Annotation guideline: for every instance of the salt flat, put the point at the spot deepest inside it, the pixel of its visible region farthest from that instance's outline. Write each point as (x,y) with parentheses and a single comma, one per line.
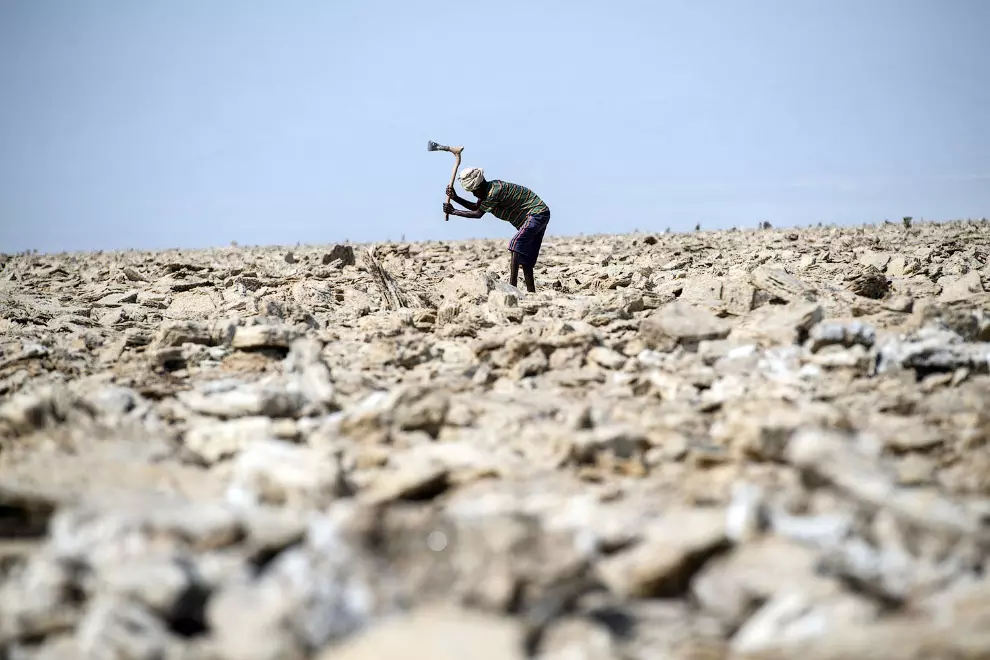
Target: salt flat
(738,444)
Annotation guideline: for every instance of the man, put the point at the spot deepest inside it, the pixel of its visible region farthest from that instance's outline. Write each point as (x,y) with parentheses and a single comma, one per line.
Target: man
(517,205)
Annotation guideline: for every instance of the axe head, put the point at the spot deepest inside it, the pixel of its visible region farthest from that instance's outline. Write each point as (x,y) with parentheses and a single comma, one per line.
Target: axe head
(433,146)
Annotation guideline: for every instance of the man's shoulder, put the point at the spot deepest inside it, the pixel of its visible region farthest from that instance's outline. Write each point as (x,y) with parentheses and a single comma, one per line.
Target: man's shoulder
(495,188)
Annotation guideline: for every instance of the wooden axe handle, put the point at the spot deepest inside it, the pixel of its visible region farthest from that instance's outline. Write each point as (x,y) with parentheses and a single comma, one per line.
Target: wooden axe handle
(453,175)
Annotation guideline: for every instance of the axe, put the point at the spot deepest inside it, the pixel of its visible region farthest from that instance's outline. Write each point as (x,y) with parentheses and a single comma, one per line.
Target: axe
(433,146)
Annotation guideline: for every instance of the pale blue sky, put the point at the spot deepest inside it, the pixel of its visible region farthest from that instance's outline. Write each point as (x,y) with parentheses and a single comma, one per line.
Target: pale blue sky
(186,123)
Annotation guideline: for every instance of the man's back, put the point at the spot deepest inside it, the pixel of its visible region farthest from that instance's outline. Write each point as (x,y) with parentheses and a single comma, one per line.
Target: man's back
(512,202)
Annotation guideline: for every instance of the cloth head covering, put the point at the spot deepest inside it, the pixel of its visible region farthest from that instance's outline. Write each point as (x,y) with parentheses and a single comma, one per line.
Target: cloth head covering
(471,178)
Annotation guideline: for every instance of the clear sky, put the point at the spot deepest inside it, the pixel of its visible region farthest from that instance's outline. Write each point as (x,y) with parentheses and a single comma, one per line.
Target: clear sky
(187,123)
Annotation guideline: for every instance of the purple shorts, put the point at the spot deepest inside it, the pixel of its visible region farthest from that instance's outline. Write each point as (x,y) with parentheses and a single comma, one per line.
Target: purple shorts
(528,240)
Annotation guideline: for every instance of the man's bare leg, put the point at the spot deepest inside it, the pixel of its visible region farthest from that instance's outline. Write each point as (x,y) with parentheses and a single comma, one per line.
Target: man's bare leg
(528,275)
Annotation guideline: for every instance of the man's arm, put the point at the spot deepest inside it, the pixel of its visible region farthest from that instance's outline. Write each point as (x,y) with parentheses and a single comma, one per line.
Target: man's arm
(454,197)
(449,209)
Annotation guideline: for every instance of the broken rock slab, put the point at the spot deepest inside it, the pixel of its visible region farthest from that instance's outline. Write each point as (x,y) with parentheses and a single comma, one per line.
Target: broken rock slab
(777,325)
(279,473)
(435,633)
(835,458)
(781,285)
(420,480)
(738,296)
(794,617)
(264,336)
(215,441)
(934,352)
(342,253)
(409,408)
(672,551)
(232,399)
(43,408)
(732,586)
(868,282)
(681,324)
(841,334)
(968,286)
(606,357)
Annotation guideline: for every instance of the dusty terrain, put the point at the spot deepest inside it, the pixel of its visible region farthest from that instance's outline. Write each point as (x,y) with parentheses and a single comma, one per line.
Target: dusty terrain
(755,444)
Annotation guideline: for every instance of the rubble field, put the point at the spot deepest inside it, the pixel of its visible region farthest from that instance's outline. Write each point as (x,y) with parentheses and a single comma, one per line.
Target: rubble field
(740,444)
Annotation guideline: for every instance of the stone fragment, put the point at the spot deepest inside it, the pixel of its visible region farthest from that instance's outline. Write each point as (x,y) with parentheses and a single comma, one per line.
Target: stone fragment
(117,299)
(834,459)
(134,275)
(264,336)
(215,441)
(342,253)
(112,401)
(672,551)
(280,473)
(761,432)
(419,480)
(249,624)
(793,617)
(435,633)
(158,583)
(229,400)
(901,304)
(315,382)
(733,586)
(533,364)
(34,410)
(777,325)
(606,357)
(681,324)
(701,290)
(191,305)
(448,313)
(915,470)
(502,299)
(117,628)
(177,333)
(738,296)
(577,638)
(868,282)
(313,296)
(409,408)
(780,284)
(842,334)
(745,517)
(967,286)
(934,353)
(111,353)
(878,260)
(903,434)
(614,441)
(137,338)
(32,602)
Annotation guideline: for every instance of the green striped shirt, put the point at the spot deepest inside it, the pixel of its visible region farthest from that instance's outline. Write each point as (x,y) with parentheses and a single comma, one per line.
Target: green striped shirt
(511,202)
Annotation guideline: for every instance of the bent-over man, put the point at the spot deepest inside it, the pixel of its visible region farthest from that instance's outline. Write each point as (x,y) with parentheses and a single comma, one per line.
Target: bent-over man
(517,205)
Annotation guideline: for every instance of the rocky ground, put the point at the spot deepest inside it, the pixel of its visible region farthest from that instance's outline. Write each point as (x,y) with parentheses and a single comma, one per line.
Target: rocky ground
(756,444)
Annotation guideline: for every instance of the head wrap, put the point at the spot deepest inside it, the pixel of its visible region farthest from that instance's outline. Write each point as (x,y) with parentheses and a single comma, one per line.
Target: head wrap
(471,178)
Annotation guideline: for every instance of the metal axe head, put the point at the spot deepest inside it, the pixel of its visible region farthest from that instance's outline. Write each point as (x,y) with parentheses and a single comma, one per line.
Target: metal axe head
(433,146)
